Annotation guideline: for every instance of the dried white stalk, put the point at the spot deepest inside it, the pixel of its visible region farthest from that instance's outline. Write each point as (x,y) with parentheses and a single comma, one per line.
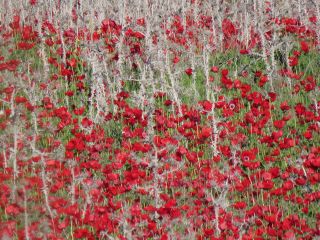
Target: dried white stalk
(26,220)
(45,188)
(73,183)
(98,96)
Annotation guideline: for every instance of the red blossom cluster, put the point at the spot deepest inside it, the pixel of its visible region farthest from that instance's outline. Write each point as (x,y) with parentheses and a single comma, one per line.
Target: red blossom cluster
(244,165)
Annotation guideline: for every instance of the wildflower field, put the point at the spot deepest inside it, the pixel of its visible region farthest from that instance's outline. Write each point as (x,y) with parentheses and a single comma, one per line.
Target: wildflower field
(158,119)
